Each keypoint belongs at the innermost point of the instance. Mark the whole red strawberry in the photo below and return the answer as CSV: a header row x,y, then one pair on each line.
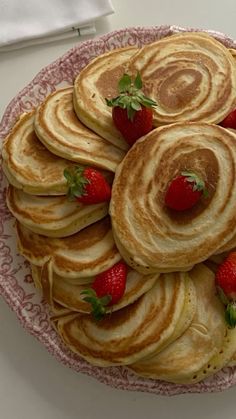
x,y
134,128
184,191
226,286
132,110
230,120
87,185
107,289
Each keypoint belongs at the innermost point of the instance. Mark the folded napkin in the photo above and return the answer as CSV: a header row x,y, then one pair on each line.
x,y
30,22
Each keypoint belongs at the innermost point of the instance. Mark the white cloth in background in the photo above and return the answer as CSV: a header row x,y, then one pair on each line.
x,y
28,22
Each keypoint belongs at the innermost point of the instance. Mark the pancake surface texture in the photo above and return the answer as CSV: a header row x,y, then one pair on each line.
x,y
97,81
137,330
28,165
59,129
191,76
52,216
204,338
67,292
149,236
84,254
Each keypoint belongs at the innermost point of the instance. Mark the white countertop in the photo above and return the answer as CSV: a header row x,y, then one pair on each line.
x,y
33,384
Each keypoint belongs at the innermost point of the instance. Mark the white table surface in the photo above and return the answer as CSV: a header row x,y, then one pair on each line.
x,y
33,384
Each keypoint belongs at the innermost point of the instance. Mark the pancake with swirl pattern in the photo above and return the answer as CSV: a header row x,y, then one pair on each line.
x,y
150,236
148,325
28,165
67,292
84,254
97,81
204,348
52,216
59,129
191,76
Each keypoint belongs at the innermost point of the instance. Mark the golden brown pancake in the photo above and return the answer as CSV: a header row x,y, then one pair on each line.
x,y
232,362
28,165
191,76
229,246
52,216
97,81
149,236
84,254
59,129
67,292
193,350
138,330
233,52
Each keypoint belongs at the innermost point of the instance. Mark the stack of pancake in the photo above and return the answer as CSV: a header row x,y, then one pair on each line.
x,y
170,323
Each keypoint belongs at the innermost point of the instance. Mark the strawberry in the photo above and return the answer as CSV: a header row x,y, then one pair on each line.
x,y
87,185
107,289
185,191
133,129
226,286
132,110
230,120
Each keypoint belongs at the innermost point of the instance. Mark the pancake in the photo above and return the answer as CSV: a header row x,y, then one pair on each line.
x,y
67,293
191,76
221,359
58,128
52,277
97,81
191,352
149,236
232,361
233,52
28,165
138,330
52,216
56,309
229,246
84,254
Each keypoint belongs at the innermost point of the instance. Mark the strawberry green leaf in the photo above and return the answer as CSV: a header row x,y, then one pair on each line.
x,y
205,192
67,175
76,181
230,315
136,105
124,101
113,102
89,291
105,300
98,304
124,83
222,296
198,183
130,113
138,82
146,101
131,97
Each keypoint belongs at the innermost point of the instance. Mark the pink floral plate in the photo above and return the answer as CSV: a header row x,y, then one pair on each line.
x,y
16,284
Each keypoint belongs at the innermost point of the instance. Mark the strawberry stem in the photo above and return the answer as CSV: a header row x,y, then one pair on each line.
x,y
230,314
198,183
98,303
76,182
131,97
222,296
